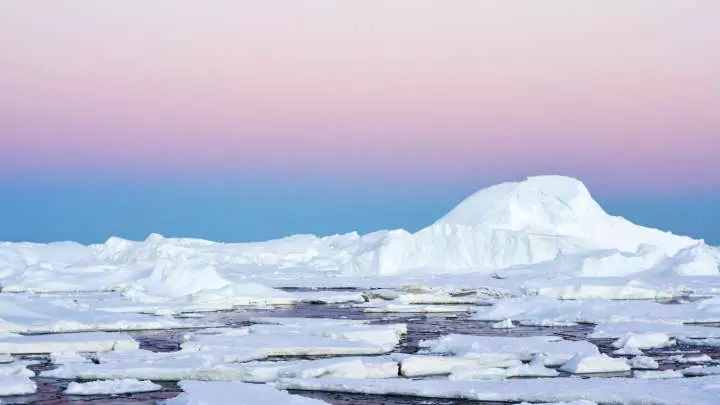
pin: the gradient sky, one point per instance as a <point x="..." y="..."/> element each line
<point x="240" y="120"/>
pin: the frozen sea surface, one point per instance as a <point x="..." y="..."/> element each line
<point x="420" y="328"/>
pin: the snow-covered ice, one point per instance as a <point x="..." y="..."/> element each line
<point x="16" y="386"/>
<point x="557" y="351"/>
<point x="237" y="393"/>
<point x="111" y="387"/>
<point x="67" y="342"/>
<point x="581" y="364"/>
<point x="415" y="366"/>
<point x="691" y="391"/>
<point x="643" y="363"/>
<point x="658" y="375"/>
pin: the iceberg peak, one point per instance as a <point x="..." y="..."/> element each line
<point x="551" y="204"/>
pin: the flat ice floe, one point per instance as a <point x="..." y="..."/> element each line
<point x="416" y="366"/>
<point x="32" y="314"/>
<point x="541" y="311"/>
<point x="16" y="386"/>
<point x="15" y="370"/>
<point x="556" y="350"/>
<point x="676" y="330"/>
<point x="389" y="307"/>
<point x="217" y="354"/>
<point x="692" y="391"/>
<point x="596" y="364"/>
<point x="112" y="387"/>
<point x="67" y="342"/>
<point x="215" y="392"/>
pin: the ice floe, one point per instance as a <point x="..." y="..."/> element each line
<point x="582" y="364"/>
<point x="16" y="386"/>
<point x="693" y="391"/>
<point x="67" y="342"/>
<point x="556" y="350"/>
<point x="111" y="387"/>
<point x="216" y="393"/>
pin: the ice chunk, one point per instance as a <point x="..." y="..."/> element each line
<point x="111" y="387"/>
<point x="68" y="342"/>
<point x="581" y="364"/>
<point x="697" y="371"/>
<point x="701" y="358"/>
<point x="643" y="341"/>
<point x="391" y="306"/>
<point x="216" y="393"/>
<point x="688" y="391"/>
<point x="643" y="363"/>
<point x="15" y="370"/>
<point x="414" y="366"/>
<point x="506" y="324"/>
<point x="16" y="386"/>
<point x="658" y="375"/>
<point x="556" y="349"/>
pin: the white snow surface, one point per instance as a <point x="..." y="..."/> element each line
<point x="556" y="350"/>
<point x="16" y="386"/>
<point x="606" y="391"/>
<point x="237" y="393"/>
<point x="70" y="342"/>
<point x="111" y="387"/>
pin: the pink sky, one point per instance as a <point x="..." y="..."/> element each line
<point x="626" y="92"/>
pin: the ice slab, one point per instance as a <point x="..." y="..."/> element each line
<point x="557" y="350"/>
<point x="16" y="386"/>
<point x="112" y="387"/>
<point x="621" y="329"/>
<point x="67" y="342"/>
<point x="643" y="363"/>
<point x="416" y="366"/>
<point x="542" y="310"/>
<point x="644" y="341"/>
<point x="694" y="391"/>
<point x="581" y="364"/>
<point x="15" y="370"/>
<point x="523" y="371"/>
<point x="35" y="314"/>
<point x="237" y="393"/>
<point x="697" y="371"/>
<point x="658" y="375"/>
<point x="390" y="307"/>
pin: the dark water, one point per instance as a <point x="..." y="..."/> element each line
<point x="420" y="327"/>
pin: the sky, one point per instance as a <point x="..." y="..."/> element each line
<point x="241" y="120"/>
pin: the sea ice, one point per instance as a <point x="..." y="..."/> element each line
<point x="658" y="375"/>
<point x="111" y="387"/>
<point x="581" y="364"/>
<point x="506" y="324"/>
<point x="557" y="350"/>
<point x="643" y="363"/>
<point x="16" y="386"/>
<point x="67" y="342"/>
<point x="237" y="393"/>
<point x="686" y="391"/>
<point x="643" y="341"/>
<point x="415" y="366"/>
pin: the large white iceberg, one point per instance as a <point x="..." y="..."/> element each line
<point x="542" y="226"/>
